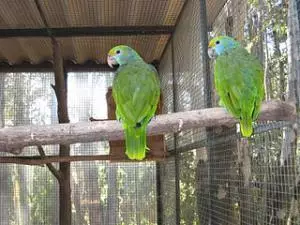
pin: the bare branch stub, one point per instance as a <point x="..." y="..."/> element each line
<point x="52" y="169"/>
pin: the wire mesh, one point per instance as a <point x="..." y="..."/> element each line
<point x="102" y="192"/>
<point x="224" y="179"/>
<point x="211" y="176"/>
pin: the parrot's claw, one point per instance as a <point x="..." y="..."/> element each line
<point x="154" y="117"/>
<point x="147" y="149"/>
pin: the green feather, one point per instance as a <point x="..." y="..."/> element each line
<point x="136" y="91"/>
<point x="136" y="142"/>
<point x="239" y="83"/>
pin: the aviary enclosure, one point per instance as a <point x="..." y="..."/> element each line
<point x="59" y="167"/>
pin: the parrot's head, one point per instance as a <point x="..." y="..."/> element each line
<point x="121" y="55"/>
<point x="220" y="45"/>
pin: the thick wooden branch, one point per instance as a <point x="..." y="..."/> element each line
<point x="38" y="160"/>
<point x="15" y="138"/>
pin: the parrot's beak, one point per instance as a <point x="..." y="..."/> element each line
<point x="111" y="61"/>
<point x="211" y="53"/>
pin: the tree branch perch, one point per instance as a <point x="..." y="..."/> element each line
<point x="14" y="139"/>
<point x="38" y="160"/>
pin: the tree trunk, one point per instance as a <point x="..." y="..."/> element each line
<point x="65" y="210"/>
<point x="287" y="175"/>
<point x="21" y="118"/>
<point x="277" y="54"/>
<point x="5" y="173"/>
<point x="60" y="88"/>
<point x="91" y="177"/>
<point x="78" y="194"/>
<point x="112" y="194"/>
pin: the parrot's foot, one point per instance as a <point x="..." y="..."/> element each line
<point x="147" y="149"/>
<point x="154" y="117"/>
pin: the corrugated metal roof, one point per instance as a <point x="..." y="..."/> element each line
<point x="19" y="14"/>
<point x="111" y="12"/>
<point x="82" y="49"/>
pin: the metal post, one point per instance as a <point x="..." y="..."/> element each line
<point x="204" y="55"/>
<point x="158" y="195"/>
<point x="177" y="159"/>
<point x="203" y="29"/>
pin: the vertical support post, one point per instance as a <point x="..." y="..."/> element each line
<point x="177" y="153"/>
<point x="205" y="214"/>
<point x="203" y="29"/>
<point x="159" y="219"/>
<point x="60" y="88"/>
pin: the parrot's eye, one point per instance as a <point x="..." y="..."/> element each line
<point x="118" y="52"/>
<point x="217" y="42"/>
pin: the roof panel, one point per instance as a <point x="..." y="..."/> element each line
<point x="17" y="50"/>
<point x="82" y="49"/>
<point x="19" y="14"/>
<point x="89" y="13"/>
<point x="213" y="9"/>
<point x="111" y="13"/>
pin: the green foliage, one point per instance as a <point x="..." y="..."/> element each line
<point x="271" y="35"/>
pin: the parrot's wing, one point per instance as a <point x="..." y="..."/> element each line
<point x="136" y="91"/>
<point x="239" y="82"/>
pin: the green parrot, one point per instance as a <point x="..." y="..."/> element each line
<point x="239" y="80"/>
<point x="136" y="91"/>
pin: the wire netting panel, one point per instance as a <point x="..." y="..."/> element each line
<point x="114" y="193"/>
<point x="210" y="176"/>
<point x="166" y="77"/>
<point x="168" y="193"/>
<point x="188" y="77"/>
<point x="102" y="192"/>
<point x="224" y="179"/>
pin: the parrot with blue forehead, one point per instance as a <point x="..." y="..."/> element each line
<point x="136" y="92"/>
<point x="239" y="80"/>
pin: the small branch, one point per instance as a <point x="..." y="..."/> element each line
<point x="19" y="137"/>
<point x="38" y="160"/>
<point x="52" y="169"/>
<point x="92" y="119"/>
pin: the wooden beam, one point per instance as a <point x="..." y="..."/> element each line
<point x="47" y="66"/>
<point x="69" y="66"/>
<point x="87" y="31"/>
<point x="14" y="139"/>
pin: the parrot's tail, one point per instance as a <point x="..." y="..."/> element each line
<point x="246" y="127"/>
<point x="135" y="139"/>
